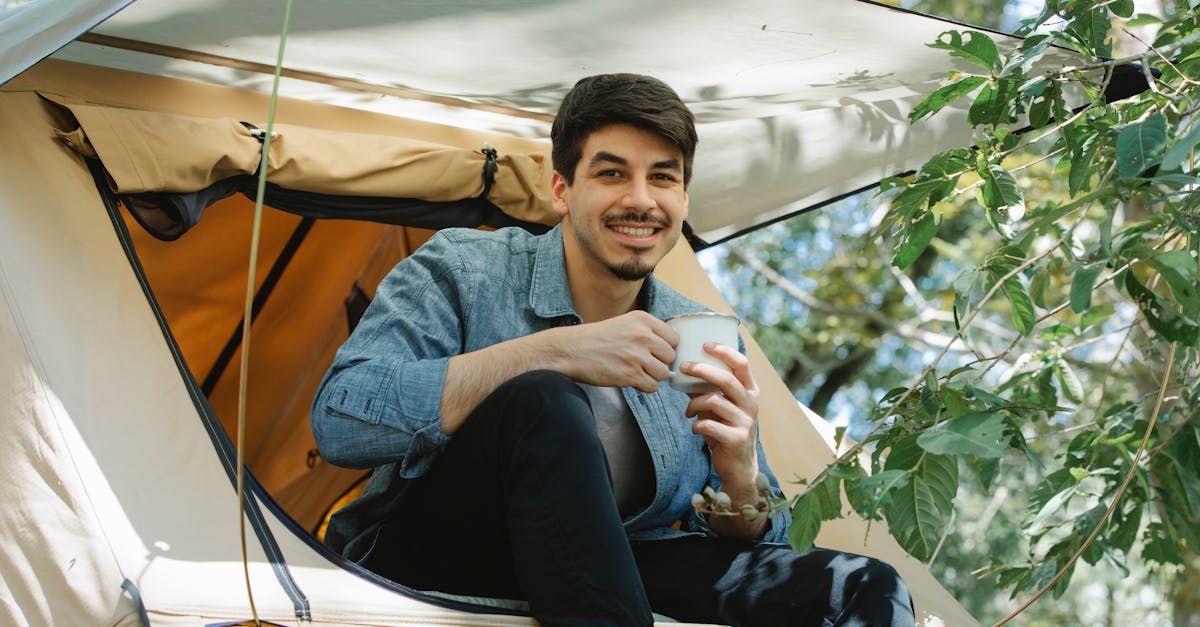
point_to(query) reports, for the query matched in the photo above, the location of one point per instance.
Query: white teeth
(634, 231)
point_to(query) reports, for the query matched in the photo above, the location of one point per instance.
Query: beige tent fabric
(109, 473)
(162, 511)
(152, 151)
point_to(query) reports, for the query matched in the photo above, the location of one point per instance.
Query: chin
(633, 270)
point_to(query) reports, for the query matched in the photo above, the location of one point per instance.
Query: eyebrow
(604, 156)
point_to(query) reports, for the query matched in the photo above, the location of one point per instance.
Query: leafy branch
(1117, 236)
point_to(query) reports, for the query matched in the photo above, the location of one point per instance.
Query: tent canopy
(796, 104)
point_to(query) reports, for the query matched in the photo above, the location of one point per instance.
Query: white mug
(694, 330)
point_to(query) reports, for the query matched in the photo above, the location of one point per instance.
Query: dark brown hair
(598, 101)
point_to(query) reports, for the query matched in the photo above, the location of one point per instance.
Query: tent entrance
(315, 278)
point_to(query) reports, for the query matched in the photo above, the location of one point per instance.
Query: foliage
(1064, 260)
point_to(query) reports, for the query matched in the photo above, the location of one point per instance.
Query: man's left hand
(728, 421)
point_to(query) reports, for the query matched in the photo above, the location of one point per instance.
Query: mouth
(636, 231)
(636, 236)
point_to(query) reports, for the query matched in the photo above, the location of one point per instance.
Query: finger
(656, 369)
(661, 350)
(737, 362)
(646, 384)
(723, 379)
(666, 332)
(717, 407)
(721, 434)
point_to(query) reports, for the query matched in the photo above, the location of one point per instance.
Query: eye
(609, 172)
(663, 176)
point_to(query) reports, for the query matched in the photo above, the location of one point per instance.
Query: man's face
(626, 208)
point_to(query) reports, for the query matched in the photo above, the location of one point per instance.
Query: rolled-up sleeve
(380, 401)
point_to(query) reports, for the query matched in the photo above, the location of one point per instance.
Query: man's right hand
(631, 350)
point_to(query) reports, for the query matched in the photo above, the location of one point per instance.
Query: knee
(880, 574)
(882, 583)
(547, 400)
(543, 390)
(540, 383)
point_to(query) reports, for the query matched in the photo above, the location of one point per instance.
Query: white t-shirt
(629, 462)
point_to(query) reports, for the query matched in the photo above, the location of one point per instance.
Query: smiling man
(509, 391)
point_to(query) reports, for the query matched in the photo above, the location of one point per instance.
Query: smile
(635, 231)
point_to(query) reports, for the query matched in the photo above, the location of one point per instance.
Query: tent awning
(797, 103)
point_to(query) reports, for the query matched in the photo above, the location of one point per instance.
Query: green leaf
(1126, 530)
(945, 95)
(1023, 315)
(806, 523)
(973, 47)
(993, 401)
(1095, 315)
(1034, 87)
(1032, 49)
(1081, 287)
(1175, 180)
(1053, 505)
(1069, 382)
(993, 105)
(1121, 8)
(1140, 146)
(1084, 524)
(871, 493)
(1081, 164)
(1161, 314)
(986, 470)
(1090, 30)
(929, 396)
(829, 492)
(1178, 269)
(921, 508)
(971, 434)
(1037, 287)
(920, 233)
(1052, 484)
(1047, 394)
(955, 404)
(892, 182)
(1143, 19)
(1041, 109)
(1181, 150)
(1002, 197)
(1159, 547)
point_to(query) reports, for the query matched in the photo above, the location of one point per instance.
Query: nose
(638, 196)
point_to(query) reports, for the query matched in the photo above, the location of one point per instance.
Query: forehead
(634, 145)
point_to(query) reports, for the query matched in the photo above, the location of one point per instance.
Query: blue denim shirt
(379, 404)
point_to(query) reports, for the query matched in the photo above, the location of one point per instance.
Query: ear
(558, 192)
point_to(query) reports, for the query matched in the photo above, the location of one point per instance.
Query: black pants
(520, 506)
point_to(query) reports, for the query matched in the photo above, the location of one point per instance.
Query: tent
(123, 253)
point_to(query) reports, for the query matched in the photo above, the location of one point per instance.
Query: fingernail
(687, 365)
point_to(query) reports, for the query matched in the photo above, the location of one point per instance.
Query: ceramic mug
(694, 330)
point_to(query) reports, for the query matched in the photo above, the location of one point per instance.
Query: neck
(595, 302)
(596, 293)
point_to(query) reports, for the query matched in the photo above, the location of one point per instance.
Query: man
(510, 391)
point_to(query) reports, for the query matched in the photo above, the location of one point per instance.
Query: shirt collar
(549, 294)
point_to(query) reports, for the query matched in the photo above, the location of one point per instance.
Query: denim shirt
(379, 404)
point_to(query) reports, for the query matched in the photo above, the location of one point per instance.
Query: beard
(631, 270)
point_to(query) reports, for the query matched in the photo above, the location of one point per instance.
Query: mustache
(646, 218)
